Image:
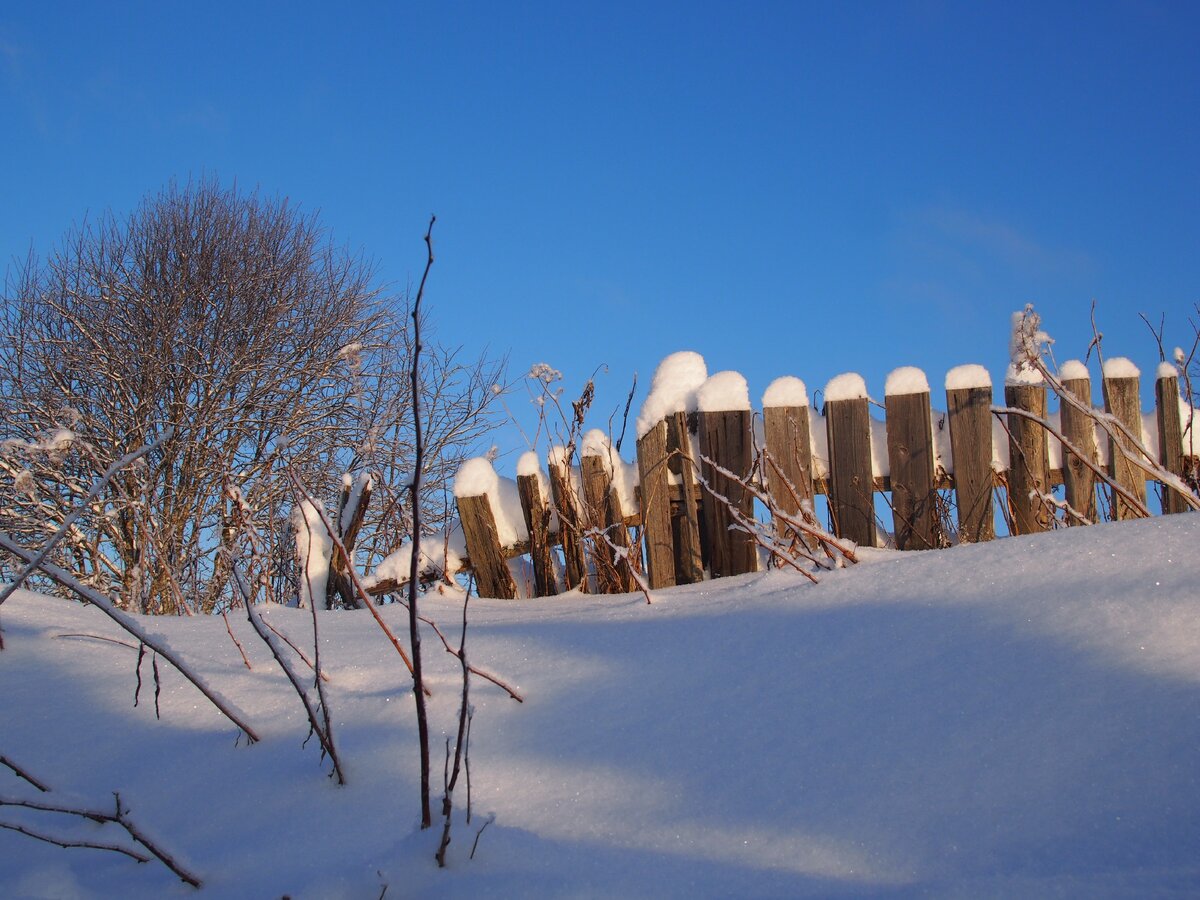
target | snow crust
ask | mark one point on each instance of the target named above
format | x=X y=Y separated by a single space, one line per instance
x=723 y=392
x=906 y=380
x=993 y=687
x=787 y=390
x=1120 y=367
x=673 y=388
x=1073 y=370
x=970 y=375
x=848 y=386
x=1166 y=370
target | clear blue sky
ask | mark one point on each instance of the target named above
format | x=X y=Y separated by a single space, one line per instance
x=787 y=188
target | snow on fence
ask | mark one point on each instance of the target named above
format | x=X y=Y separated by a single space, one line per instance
x=673 y=515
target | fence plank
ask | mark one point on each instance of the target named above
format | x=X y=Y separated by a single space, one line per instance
x=570 y=520
x=910 y=458
x=537 y=520
x=612 y=575
x=1170 y=437
x=851 y=479
x=970 y=412
x=656 y=506
x=1029 y=467
x=492 y=577
x=1121 y=399
x=725 y=440
x=786 y=430
x=1080 y=429
x=686 y=522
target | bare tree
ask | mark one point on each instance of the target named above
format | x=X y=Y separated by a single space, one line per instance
x=233 y=319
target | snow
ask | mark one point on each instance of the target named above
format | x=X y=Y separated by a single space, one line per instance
x=787 y=390
x=1166 y=370
x=723 y=392
x=1011 y=719
x=968 y=376
x=1022 y=375
x=1073 y=370
x=529 y=463
x=1120 y=367
x=314 y=547
x=476 y=477
x=673 y=389
x=441 y=553
x=848 y=386
x=906 y=380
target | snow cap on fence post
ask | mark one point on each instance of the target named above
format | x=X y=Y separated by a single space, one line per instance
x=906 y=380
x=673 y=388
x=723 y=392
x=1121 y=367
x=1073 y=370
x=847 y=386
x=787 y=390
x=971 y=375
x=477 y=477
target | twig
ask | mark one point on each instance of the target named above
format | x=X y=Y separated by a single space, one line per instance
x=256 y=623
x=490 y=820
x=21 y=773
x=34 y=562
x=414 y=629
x=475 y=670
x=236 y=642
x=105 y=605
x=88 y=845
x=119 y=817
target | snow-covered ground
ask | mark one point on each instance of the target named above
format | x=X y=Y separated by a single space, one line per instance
x=1014 y=719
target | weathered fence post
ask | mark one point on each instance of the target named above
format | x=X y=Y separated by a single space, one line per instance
x=1029 y=466
x=786 y=430
x=1079 y=428
x=686 y=521
x=724 y=413
x=570 y=521
x=537 y=519
x=605 y=517
x=1170 y=432
x=851 y=476
x=910 y=459
x=1121 y=386
x=969 y=407
x=655 y=486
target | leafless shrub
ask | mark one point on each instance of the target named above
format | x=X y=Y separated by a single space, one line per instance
x=233 y=319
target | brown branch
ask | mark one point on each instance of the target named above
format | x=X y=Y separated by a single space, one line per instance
x=119 y=817
x=105 y=605
x=21 y=773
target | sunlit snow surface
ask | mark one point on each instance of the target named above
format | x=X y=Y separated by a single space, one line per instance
x=1014 y=719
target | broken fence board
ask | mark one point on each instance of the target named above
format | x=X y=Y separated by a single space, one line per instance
x=488 y=562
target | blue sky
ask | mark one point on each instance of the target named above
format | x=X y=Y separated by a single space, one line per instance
x=787 y=188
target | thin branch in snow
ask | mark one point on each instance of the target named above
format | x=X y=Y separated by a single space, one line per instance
x=131 y=625
x=120 y=816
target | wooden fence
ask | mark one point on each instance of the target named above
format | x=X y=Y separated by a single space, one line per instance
x=694 y=471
